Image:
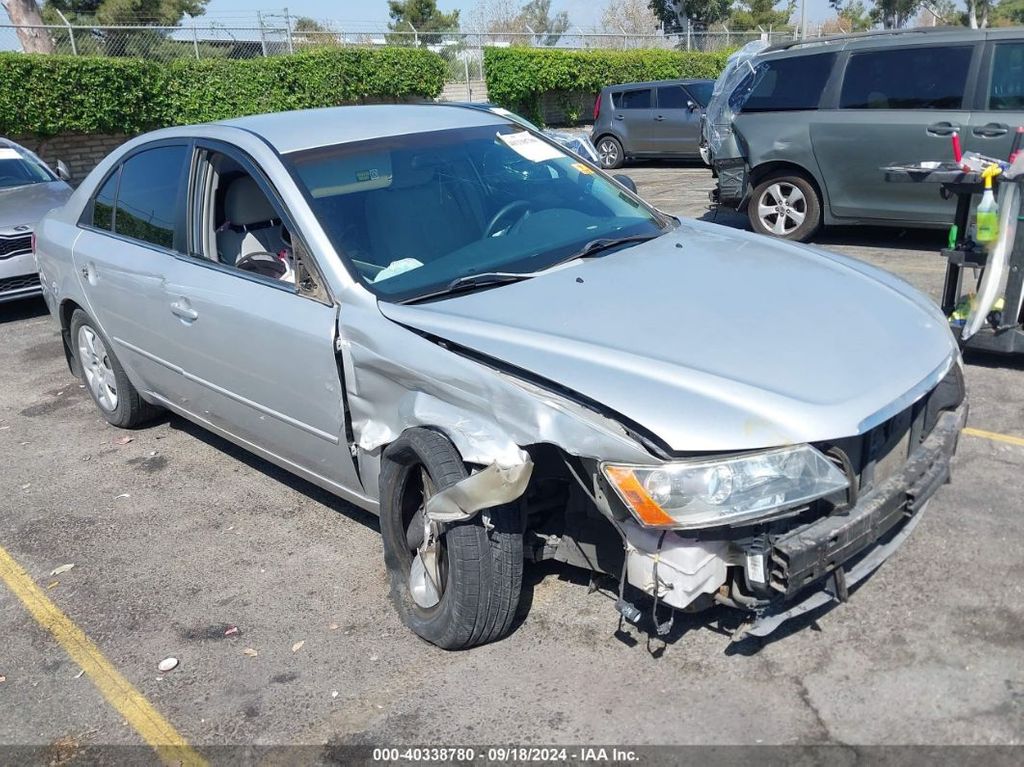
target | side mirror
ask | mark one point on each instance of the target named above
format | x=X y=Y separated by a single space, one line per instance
x=63 y=172
x=626 y=181
x=691 y=105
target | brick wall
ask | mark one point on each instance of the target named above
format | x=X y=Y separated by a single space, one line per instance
x=81 y=152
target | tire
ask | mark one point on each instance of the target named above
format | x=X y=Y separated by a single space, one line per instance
x=481 y=569
x=785 y=205
x=108 y=385
x=609 y=150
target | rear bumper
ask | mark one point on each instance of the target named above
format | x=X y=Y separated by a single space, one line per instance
x=804 y=564
x=732 y=182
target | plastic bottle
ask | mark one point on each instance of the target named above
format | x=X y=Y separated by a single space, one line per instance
x=988 y=211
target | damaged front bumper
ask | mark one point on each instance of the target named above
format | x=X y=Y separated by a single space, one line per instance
x=805 y=568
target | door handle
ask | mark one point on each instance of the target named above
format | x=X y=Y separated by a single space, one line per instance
x=183 y=310
x=618 y=117
x=992 y=130
x=942 y=129
x=659 y=118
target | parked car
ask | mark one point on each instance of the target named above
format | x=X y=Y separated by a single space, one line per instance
x=654 y=120
x=806 y=133
x=28 y=189
x=444 y=318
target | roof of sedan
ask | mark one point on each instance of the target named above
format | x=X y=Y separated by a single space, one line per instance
x=311 y=128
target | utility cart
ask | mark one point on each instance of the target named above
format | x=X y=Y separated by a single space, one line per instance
x=990 y=325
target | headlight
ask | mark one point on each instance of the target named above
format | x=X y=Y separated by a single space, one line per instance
x=724 y=491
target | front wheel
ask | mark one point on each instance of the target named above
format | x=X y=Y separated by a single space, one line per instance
x=457 y=585
x=785 y=205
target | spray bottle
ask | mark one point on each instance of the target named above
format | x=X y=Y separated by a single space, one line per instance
x=988 y=210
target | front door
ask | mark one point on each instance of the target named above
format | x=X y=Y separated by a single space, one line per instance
x=1001 y=107
x=255 y=343
x=676 y=128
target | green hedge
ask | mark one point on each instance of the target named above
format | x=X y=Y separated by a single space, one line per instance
x=517 y=77
x=46 y=95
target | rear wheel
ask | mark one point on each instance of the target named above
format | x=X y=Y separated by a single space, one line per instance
x=118 y=400
x=609 y=150
x=456 y=585
x=785 y=205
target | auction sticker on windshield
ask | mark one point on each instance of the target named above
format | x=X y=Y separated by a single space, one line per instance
x=530 y=147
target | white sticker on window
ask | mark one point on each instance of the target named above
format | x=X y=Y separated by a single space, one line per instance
x=7 y=153
x=529 y=146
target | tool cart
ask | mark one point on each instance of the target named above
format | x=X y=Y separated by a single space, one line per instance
x=984 y=284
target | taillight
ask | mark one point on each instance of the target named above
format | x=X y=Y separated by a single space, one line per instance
x=597 y=107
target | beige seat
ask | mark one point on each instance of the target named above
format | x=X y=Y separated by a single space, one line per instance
x=252 y=224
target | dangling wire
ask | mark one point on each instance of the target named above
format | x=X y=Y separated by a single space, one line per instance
x=661 y=628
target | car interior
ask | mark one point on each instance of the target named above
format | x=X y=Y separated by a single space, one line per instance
x=241 y=226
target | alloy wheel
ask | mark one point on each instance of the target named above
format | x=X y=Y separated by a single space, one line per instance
x=99 y=375
x=782 y=208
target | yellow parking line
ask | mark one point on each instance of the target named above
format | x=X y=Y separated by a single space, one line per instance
x=994 y=436
x=170 y=746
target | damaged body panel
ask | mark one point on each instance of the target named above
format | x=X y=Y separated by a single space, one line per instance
x=511 y=357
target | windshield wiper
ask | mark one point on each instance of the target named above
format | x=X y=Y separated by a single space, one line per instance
x=594 y=247
x=469 y=282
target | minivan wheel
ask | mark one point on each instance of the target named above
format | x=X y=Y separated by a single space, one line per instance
x=118 y=400
x=609 y=150
x=785 y=205
x=456 y=585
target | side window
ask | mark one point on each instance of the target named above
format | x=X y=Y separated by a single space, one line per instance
x=784 y=85
x=150 y=197
x=1006 y=91
x=633 y=99
x=906 y=78
x=103 y=203
x=672 y=97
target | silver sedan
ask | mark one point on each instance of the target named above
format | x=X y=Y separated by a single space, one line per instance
x=439 y=315
x=28 y=189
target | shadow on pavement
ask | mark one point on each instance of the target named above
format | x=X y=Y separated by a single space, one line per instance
x=23 y=309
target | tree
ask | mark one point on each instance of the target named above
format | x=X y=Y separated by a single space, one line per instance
x=421 y=17
x=761 y=13
x=506 y=18
x=633 y=17
x=673 y=13
x=893 y=14
x=536 y=16
x=1008 y=13
x=25 y=14
x=159 y=13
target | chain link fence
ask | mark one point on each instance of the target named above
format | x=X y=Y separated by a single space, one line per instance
x=463 y=49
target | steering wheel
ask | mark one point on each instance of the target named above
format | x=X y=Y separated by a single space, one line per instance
x=505 y=212
x=262 y=262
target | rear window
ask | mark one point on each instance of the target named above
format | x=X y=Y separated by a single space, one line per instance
x=640 y=99
x=784 y=85
x=906 y=78
x=1007 y=88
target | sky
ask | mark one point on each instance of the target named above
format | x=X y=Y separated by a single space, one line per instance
x=374 y=13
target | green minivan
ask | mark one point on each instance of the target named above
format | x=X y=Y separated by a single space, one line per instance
x=805 y=134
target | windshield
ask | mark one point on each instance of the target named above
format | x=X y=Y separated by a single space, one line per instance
x=19 y=167
x=701 y=92
x=411 y=214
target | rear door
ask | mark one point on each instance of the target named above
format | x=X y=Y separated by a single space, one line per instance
x=633 y=119
x=1000 y=103
x=676 y=129
x=894 y=105
x=131 y=230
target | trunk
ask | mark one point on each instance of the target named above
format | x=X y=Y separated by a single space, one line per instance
x=28 y=20
x=972 y=14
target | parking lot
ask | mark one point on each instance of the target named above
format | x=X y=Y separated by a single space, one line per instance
x=177 y=537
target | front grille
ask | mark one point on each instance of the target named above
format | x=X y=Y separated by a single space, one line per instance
x=16 y=245
x=11 y=284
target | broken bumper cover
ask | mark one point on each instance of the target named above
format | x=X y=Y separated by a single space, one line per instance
x=731 y=190
x=862 y=539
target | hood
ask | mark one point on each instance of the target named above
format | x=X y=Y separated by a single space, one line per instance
x=25 y=205
x=713 y=339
